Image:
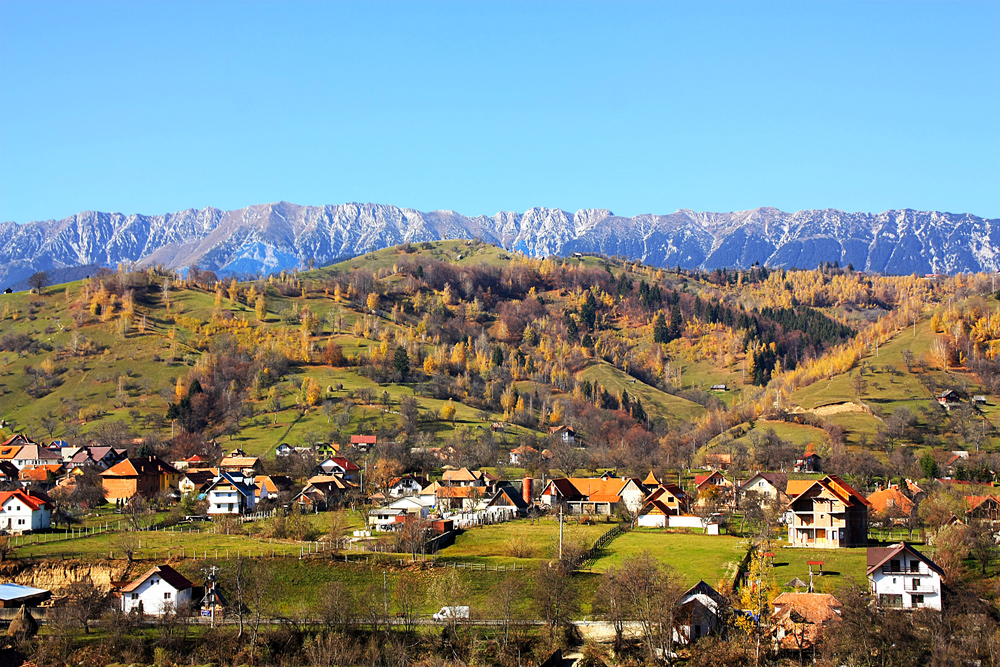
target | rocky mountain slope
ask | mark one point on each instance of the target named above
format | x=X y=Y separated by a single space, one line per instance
x=271 y=237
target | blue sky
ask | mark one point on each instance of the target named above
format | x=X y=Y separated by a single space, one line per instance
x=150 y=107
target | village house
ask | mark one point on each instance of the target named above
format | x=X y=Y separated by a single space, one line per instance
x=567 y=433
x=810 y=461
x=466 y=477
x=24 y=511
x=522 y=454
x=984 y=508
x=406 y=485
x=338 y=465
x=240 y=464
x=464 y=498
x=699 y=613
x=363 y=443
x=892 y=502
x=720 y=460
x=585 y=495
x=230 y=493
x=270 y=487
x=828 y=514
x=35 y=455
x=322 y=492
x=903 y=578
x=664 y=501
x=194 y=481
x=800 y=618
x=146 y=476
x=40 y=478
x=161 y=590
x=392 y=516
x=766 y=485
x=715 y=486
x=949 y=398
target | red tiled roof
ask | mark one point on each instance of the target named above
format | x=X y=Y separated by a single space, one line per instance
x=363 y=439
x=32 y=499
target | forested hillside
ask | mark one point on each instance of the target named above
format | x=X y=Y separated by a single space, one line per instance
x=462 y=344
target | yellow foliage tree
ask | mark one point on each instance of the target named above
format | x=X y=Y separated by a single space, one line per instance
x=448 y=411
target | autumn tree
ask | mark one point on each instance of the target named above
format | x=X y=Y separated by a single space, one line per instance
x=448 y=411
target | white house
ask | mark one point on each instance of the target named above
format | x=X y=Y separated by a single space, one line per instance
x=231 y=494
x=903 y=578
x=386 y=518
x=24 y=511
x=407 y=485
x=160 y=590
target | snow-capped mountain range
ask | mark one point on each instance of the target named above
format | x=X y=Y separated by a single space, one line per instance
x=271 y=237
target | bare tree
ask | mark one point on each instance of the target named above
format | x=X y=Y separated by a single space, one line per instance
x=128 y=542
x=137 y=512
x=554 y=594
x=651 y=594
x=506 y=595
x=407 y=599
x=38 y=281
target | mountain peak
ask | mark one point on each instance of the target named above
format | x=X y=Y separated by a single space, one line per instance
x=283 y=235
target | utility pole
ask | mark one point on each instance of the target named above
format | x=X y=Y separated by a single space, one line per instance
x=560 y=532
x=385 y=597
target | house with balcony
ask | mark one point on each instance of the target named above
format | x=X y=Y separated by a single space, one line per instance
x=903 y=578
x=230 y=493
x=828 y=514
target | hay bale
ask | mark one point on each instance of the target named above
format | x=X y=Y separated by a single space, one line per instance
x=24 y=626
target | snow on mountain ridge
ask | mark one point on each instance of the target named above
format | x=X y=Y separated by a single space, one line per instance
x=281 y=235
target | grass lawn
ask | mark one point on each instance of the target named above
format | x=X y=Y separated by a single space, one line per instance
x=712 y=558
x=498 y=544
x=841 y=567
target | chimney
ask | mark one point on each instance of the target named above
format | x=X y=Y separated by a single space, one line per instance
x=526 y=490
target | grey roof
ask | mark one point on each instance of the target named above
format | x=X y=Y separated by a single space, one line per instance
x=11 y=592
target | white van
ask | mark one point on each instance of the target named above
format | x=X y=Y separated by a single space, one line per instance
x=451 y=614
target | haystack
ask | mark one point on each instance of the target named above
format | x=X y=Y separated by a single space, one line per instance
x=24 y=626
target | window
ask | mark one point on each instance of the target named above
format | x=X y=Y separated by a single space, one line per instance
x=894 y=566
x=915 y=584
x=916 y=600
x=890 y=601
x=166 y=596
x=914 y=566
x=135 y=596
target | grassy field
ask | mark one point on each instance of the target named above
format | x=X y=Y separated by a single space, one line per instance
x=712 y=558
x=656 y=403
x=520 y=540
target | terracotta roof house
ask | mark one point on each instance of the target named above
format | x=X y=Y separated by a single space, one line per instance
x=903 y=578
x=8 y=452
x=799 y=619
x=459 y=497
x=719 y=460
x=145 y=476
x=828 y=514
x=363 y=442
x=891 y=500
x=41 y=477
x=586 y=495
x=271 y=486
x=522 y=454
x=982 y=507
x=160 y=590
